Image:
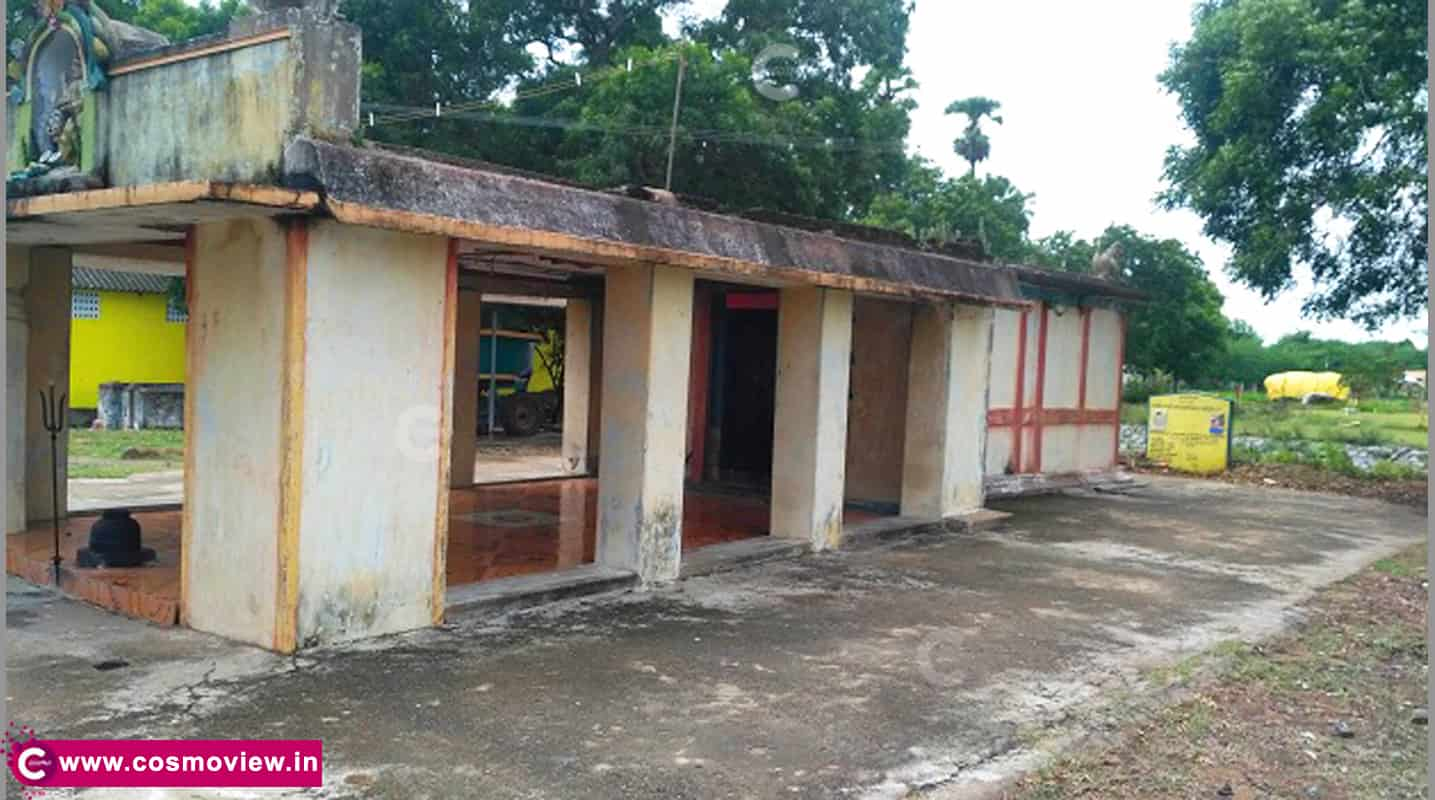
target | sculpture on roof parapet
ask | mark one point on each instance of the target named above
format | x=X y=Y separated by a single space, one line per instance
x=51 y=81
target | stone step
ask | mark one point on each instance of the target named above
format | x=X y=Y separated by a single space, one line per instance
x=731 y=555
x=527 y=591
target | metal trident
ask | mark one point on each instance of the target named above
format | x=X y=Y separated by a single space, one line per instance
x=52 y=414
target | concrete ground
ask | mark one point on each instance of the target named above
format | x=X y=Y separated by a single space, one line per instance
x=161 y=488
x=886 y=668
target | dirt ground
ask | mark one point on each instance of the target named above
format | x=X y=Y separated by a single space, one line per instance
x=1335 y=708
x=1412 y=493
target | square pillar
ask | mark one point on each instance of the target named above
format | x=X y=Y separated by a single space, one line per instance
x=814 y=357
x=646 y=340
x=465 y=390
x=318 y=423
x=37 y=357
x=945 y=442
x=578 y=376
x=17 y=346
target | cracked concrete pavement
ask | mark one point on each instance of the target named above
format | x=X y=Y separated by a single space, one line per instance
x=877 y=671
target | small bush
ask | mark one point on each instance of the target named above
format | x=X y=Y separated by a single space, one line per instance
x=1333 y=457
x=1393 y=471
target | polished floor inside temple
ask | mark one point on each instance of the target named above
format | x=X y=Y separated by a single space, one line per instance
x=495 y=531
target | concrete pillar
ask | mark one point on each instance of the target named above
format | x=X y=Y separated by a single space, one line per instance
x=814 y=356
x=578 y=379
x=646 y=341
x=465 y=390
x=945 y=442
x=37 y=322
x=17 y=345
x=318 y=418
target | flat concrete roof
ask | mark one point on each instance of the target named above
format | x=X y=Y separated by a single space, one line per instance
x=517 y=213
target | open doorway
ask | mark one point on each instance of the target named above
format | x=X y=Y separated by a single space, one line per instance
x=126 y=387
x=520 y=389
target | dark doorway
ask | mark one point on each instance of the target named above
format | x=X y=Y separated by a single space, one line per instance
x=750 y=393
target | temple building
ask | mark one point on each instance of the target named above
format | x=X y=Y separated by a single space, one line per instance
x=735 y=387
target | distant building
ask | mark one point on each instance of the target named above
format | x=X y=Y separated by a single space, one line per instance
x=123 y=329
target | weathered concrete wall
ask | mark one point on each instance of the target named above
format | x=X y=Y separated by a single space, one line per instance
x=234 y=447
x=1013 y=353
x=1060 y=443
x=1102 y=379
x=375 y=387
x=948 y=379
x=814 y=356
x=199 y=111
x=578 y=377
x=1097 y=443
x=17 y=346
x=881 y=340
x=47 y=367
x=1072 y=407
x=647 y=340
x=1063 y=357
x=317 y=428
x=465 y=389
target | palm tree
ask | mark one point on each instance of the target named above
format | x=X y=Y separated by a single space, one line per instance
x=973 y=145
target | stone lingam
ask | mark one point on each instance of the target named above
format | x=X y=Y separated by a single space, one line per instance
x=115 y=542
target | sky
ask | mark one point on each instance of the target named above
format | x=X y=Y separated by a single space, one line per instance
x=1086 y=125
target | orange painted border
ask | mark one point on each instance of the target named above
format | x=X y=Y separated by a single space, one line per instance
x=198 y=52
x=291 y=435
x=1085 y=356
x=192 y=370
x=445 y=426
x=699 y=362
x=1040 y=388
x=1008 y=417
x=1120 y=385
x=1020 y=398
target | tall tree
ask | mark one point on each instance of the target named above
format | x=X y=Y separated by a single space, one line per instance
x=1310 y=127
x=973 y=145
x=929 y=205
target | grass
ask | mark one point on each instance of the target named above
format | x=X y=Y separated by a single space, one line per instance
x=1394 y=422
x=1259 y=719
x=120 y=454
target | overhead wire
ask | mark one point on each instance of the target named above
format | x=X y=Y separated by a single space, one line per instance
x=575 y=80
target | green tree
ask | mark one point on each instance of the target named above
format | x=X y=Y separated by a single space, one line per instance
x=1180 y=330
x=580 y=114
x=1063 y=251
x=175 y=19
x=973 y=145
x=1247 y=360
x=1310 y=131
x=929 y=205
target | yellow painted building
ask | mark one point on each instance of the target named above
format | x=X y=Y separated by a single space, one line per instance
x=122 y=329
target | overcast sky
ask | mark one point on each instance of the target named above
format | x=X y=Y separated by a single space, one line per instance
x=1086 y=124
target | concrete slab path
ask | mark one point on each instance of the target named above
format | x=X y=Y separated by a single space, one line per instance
x=871 y=672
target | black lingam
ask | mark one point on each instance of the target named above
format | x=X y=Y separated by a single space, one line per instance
x=115 y=542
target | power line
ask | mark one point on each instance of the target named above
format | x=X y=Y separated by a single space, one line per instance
x=709 y=135
x=576 y=81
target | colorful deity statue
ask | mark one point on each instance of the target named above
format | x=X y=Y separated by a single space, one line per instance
x=52 y=78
